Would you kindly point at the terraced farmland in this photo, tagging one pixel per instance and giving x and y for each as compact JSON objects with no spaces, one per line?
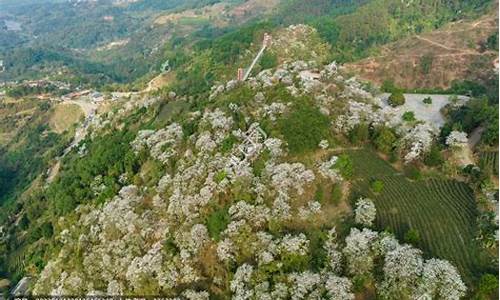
{"x":443,"y":211}
{"x":489,"y":160}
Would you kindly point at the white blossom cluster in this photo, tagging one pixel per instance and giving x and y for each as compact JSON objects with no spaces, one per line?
{"x":457,"y":139}
{"x":357,"y":113}
{"x":294,"y":244}
{"x":161,"y":143}
{"x":441,"y":280}
{"x":298,"y":286}
{"x":333,"y":252}
{"x":256,"y":215}
{"x":240,"y":285}
{"x":327,"y":169}
{"x":418,"y":141}
{"x":365,"y":212}
{"x":159,"y":239}
{"x":273,"y":110}
{"x":402,"y":268}
{"x":354,"y":90}
{"x":117,"y":234}
{"x":312,"y":208}
{"x":288,"y":176}
{"x":323,"y":144}
{"x":359,"y":251}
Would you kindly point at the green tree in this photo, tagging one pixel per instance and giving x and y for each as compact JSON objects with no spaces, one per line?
{"x":304,"y":128}
{"x":434,"y":157}
{"x":412,"y":236}
{"x":268,"y":61}
{"x":345,"y":166}
{"x":336,"y":194}
{"x":377,"y":185}
{"x":426,"y":63}
{"x":359,"y":134}
{"x":217,"y":222}
{"x":412,"y":172}
{"x":384,"y":139}
{"x":488,"y":287}
{"x":388,"y":86}
{"x":408,"y":116}
{"x":396,"y":99}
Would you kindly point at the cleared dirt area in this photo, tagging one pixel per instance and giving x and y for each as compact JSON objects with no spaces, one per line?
{"x":433,"y":59}
{"x":160,"y":81}
{"x":430,"y":113}
{"x":64,"y":116}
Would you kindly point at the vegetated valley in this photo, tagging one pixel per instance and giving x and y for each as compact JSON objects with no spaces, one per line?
{"x":141,"y":155}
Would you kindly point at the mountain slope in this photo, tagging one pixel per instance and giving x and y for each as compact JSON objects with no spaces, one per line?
{"x":464,"y":50}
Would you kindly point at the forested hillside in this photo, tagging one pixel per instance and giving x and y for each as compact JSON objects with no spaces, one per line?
{"x":136,"y":163}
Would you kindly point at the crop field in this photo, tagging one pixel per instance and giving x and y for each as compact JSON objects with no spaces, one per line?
{"x":489,"y":159}
{"x":442,"y":211}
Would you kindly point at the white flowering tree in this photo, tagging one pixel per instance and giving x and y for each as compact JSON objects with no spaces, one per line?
{"x":332,"y":250}
{"x":441,"y":280}
{"x":240,"y":285}
{"x":365,"y":212}
{"x":417,"y":141}
{"x":457,"y":139}
{"x":339,"y":288}
{"x":402,"y":268}
{"x":358,"y":251}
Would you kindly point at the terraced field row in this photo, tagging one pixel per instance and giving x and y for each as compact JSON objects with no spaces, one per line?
{"x":489,"y":160}
{"x":443,"y":211}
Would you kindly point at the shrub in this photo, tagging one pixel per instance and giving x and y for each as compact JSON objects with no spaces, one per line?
{"x":359,"y":134}
{"x":427,"y":100}
{"x":47,"y":230}
{"x":408,"y":116}
{"x":170,"y":246}
{"x":227,"y":143}
{"x":384,"y":139}
{"x":488,"y":286}
{"x":336,"y":195}
{"x":377,"y":186}
{"x":268,"y":61}
{"x":412,"y":172}
{"x":304,"y":128}
{"x":318,"y":254}
{"x":189,"y":128}
{"x":426,"y":63}
{"x":319,"y":194}
{"x":359,"y":282}
{"x":396,"y":99}
{"x":260,"y":163}
{"x":388,"y":86}
{"x":293,"y":262}
{"x":412,"y":236}
{"x":345,"y":166}
{"x":217,"y":222}
{"x":221,"y":175}
{"x":434,"y":157}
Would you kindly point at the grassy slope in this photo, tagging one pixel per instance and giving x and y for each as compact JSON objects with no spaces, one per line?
{"x":434,"y":59}
{"x":64,"y":116}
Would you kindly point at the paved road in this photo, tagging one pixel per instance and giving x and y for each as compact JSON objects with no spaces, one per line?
{"x":475,"y":136}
